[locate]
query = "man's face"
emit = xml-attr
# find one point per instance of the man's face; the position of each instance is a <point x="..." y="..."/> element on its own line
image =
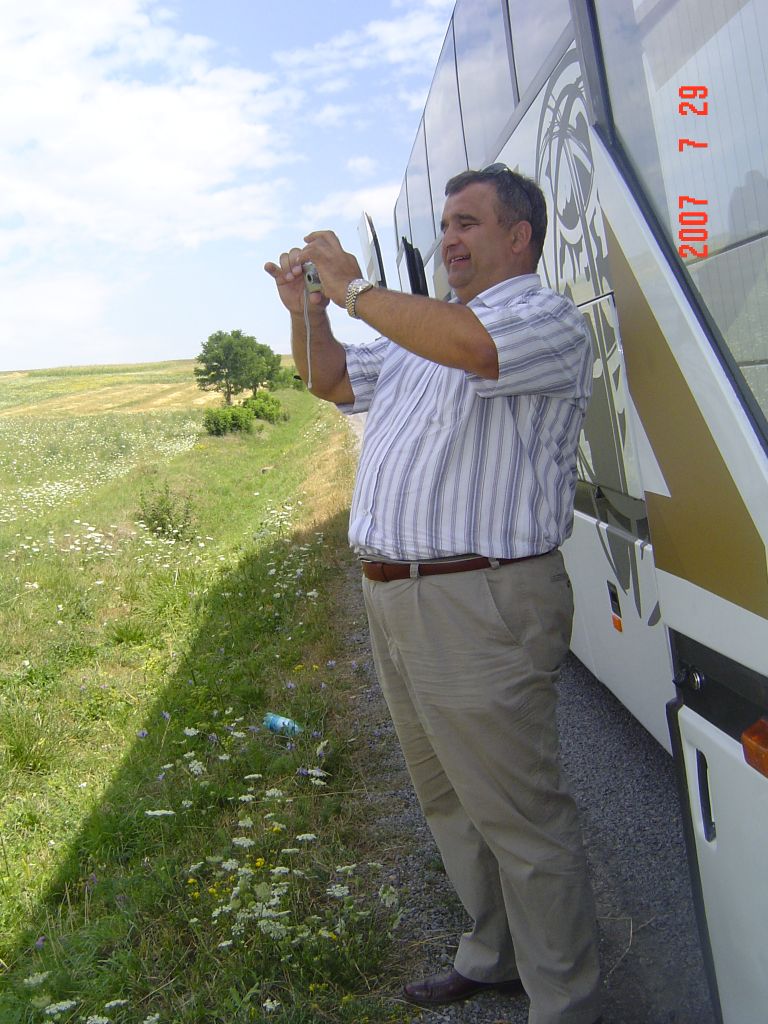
<point x="477" y="250"/>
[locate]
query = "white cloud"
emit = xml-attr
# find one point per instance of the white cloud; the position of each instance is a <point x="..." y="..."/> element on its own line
<point x="364" y="166"/>
<point x="117" y="128"/>
<point x="410" y="42"/>
<point x="378" y="201"/>
<point x="332" y="115"/>
<point x="122" y="136"/>
<point x="333" y="85"/>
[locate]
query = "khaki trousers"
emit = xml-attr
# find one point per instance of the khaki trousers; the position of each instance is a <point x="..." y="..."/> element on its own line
<point x="468" y="663"/>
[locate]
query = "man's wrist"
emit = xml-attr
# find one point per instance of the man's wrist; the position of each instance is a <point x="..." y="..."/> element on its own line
<point x="316" y="313"/>
<point x="357" y="286"/>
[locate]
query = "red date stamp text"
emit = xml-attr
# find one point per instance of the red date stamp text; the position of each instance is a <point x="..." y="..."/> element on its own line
<point x="692" y="217"/>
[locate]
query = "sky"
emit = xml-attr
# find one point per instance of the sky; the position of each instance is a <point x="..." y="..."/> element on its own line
<point x="154" y="154"/>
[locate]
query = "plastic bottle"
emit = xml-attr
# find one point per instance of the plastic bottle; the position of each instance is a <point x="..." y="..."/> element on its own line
<point x="278" y="723"/>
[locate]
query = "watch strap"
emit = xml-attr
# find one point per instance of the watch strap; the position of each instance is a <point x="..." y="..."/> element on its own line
<point x="355" y="289"/>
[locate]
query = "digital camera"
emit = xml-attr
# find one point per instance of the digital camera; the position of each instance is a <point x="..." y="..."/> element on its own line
<point x="311" y="278"/>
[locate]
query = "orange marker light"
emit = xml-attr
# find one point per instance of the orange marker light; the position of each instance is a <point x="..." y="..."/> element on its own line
<point x="754" y="742"/>
<point x="617" y="624"/>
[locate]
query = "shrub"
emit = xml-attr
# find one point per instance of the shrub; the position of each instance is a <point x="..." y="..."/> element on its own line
<point x="266" y="407"/>
<point x="216" y="421"/>
<point x="241" y="418"/>
<point x="166" y="513"/>
<point x="221" y="421"/>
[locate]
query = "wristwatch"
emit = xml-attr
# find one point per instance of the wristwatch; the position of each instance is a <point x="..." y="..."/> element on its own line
<point x="354" y="289"/>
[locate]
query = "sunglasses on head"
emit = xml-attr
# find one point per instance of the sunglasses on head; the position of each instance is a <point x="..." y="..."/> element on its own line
<point x="498" y="169"/>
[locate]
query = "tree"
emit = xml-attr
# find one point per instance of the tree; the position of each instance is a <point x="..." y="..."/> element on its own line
<point x="232" y="362"/>
<point x="267" y="368"/>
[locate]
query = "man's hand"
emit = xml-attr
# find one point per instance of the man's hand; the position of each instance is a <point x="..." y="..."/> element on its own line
<point x="335" y="266"/>
<point x="288" y="275"/>
<point x="329" y="379"/>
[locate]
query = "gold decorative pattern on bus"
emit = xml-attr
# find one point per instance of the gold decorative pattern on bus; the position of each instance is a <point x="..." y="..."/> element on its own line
<point x="703" y="532"/>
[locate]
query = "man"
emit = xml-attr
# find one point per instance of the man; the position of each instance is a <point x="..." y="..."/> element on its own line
<point x="464" y="493"/>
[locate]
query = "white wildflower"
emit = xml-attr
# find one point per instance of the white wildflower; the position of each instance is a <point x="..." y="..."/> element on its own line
<point x="338" y="891"/>
<point x="35" y="979"/>
<point x="388" y="896"/>
<point x="55" y="1008"/>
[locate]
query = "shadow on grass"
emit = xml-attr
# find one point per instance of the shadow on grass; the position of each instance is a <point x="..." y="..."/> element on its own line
<point x="193" y="889"/>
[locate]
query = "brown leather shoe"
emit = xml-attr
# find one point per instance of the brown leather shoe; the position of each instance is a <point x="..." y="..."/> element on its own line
<point x="440" y="989"/>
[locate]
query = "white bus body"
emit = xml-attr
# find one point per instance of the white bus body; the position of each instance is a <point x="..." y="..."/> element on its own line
<point x="642" y="121"/>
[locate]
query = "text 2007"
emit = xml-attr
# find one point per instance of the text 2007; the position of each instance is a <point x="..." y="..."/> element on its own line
<point x="692" y="215"/>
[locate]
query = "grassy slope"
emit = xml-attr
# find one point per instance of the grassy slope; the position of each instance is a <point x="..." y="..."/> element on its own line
<point x="133" y="679"/>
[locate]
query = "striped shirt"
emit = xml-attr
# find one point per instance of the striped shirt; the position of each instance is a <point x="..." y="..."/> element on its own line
<point x="453" y="463"/>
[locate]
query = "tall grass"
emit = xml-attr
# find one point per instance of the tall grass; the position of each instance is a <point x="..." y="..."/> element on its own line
<point x="163" y="857"/>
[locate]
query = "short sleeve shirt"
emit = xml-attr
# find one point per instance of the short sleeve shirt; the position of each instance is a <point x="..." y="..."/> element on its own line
<point x="453" y="463"/>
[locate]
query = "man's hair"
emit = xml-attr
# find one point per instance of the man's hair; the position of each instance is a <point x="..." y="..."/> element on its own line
<point x="517" y="198"/>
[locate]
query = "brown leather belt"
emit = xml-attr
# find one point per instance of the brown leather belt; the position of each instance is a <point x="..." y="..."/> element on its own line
<point x="386" y="572"/>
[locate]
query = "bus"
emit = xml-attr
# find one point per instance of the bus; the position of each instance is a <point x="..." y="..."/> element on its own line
<point x="640" y="119"/>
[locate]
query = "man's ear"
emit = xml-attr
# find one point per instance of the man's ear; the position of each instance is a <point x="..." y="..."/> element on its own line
<point x="520" y="236"/>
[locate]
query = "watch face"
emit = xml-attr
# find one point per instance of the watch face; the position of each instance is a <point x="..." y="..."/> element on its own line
<point x="356" y="288"/>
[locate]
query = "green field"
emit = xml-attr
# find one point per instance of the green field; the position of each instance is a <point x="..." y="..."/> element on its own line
<point x="163" y="857"/>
